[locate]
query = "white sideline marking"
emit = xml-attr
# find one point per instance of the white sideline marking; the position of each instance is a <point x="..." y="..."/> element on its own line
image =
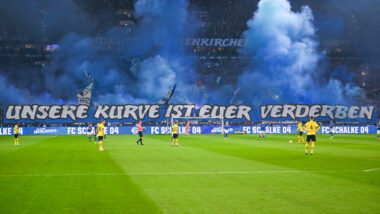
<point x="369" y="170"/>
<point x="172" y="173"/>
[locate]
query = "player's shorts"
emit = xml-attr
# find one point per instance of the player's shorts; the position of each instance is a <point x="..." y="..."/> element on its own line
<point x="175" y="136"/>
<point x="226" y="131"/>
<point x="311" y="138"/>
<point x="100" y="138"/>
<point x="140" y="134"/>
<point x="262" y="131"/>
<point x="16" y="135"/>
<point x="300" y="133"/>
<point x="378" y="132"/>
<point x="331" y="131"/>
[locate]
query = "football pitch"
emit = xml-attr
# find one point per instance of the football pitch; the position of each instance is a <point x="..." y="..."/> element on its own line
<point x="205" y="174"/>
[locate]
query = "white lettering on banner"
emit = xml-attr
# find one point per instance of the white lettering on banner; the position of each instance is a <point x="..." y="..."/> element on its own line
<point x="29" y="112"/>
<point x="338" y="112"/>
<point x="71" y="131"/>
<point x="364" y="130"/>
<point x="276" y="111"/>
<point x="204" y="111"/>
<point x="82" y="130"/>
<point x="116" y="112"/>
<point x="114" y="130"/>
<point x="140" y="112"/>
<point x="341" y="112"/>
<point x="289" y="111"/>
<point x="43" y="112"/>
<point x="286" y="130"/>
<point x="247" y="129"/>
<point x="165" y="130"/>
<point x="346" y="130"/>
<point x="214" y="42"/>
<point x="155" y="130"/>
<point x="315" y="111"/>
<point x="6" y="131"/>
<point x="353" y="113"/>
<point x="196" y="130"/>
<point x="265" y="110"/>
<point x="197" y="42"/>
<point x="327" y="111"/>
<point x="301" y="111"/>
<point x="154" y="111"/>
<point x="366" y="112"/>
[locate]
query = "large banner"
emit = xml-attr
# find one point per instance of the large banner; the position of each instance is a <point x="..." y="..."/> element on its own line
<point x="162" y="130"/>
<point x="154" y="112"/>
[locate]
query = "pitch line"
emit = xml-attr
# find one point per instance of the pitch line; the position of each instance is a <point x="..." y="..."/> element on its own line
<point x="370" y="170"/>
<point x="178" y="173"/>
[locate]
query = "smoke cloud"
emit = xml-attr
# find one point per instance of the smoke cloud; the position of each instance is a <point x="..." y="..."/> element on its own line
<point x="285" y="66"/>
<point x="163" y="23"/>
<point x="163" y="59"/>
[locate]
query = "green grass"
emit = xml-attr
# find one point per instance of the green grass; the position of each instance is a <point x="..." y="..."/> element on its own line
<point x="67" y="174"/>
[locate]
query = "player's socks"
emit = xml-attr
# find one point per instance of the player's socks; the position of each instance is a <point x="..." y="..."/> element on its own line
<point x="312" y="148"/>
<point x="141" y="142"/>
<point x="306" y="148"/>
<point x="101" y="146"/>
<point x="263" y="137"/>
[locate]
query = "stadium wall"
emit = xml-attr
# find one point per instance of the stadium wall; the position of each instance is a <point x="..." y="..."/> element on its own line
<point x="161" y="130"/>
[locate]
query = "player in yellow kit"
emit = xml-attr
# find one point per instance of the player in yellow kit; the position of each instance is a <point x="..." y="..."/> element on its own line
<point x="15" y="132"/>
<point x="101" y="134"/>
<point x="175" y="134"/>
<point x="311" y="128"/>
<point x="300" y="132"/>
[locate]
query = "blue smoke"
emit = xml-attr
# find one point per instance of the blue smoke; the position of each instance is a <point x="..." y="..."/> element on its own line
<point x="285" y="60"/>
<point x="164" y="61"/>
<point x="162" y="25"/>
<point x="285" y="65"/>
<point x="15" y="95"/>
